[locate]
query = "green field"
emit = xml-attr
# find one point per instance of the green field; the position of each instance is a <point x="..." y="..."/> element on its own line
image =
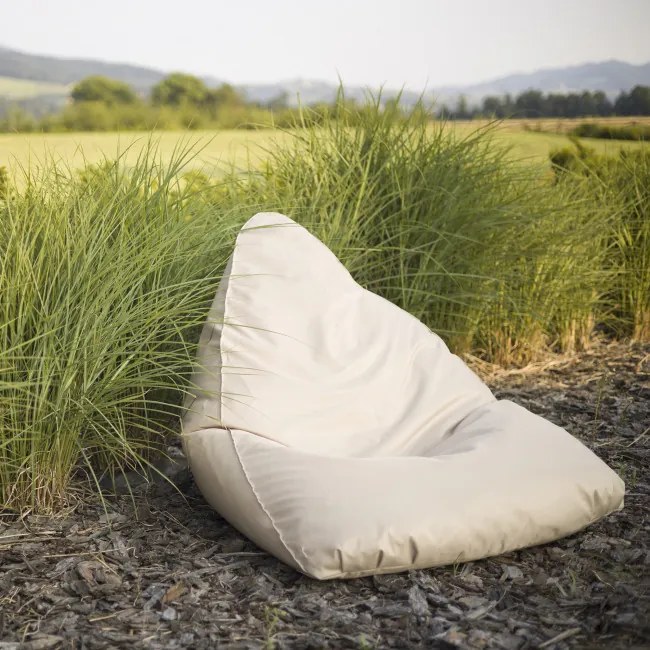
<point x="221" y="148"/>
<point x="11" y="88"/>
<point x="215" y="149"/>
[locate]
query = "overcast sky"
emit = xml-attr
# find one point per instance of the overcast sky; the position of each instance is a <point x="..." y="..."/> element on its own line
<point x="412" y="43"/>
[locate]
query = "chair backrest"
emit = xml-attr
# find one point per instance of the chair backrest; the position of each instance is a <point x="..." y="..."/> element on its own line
<point x="296" y="351"/>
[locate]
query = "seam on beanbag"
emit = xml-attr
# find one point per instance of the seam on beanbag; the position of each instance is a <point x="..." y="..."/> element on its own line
<point x="223" y="330"/>
<point x="259" y="501"/>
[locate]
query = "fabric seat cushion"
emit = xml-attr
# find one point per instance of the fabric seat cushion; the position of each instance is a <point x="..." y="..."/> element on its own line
<point x="341" y="435"/>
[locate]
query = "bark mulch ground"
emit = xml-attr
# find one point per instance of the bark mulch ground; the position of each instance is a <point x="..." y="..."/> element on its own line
<point x="165" y="571"/>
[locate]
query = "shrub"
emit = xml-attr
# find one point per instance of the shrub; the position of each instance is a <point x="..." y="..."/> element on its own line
<point x="16" y="120"/>
<point x="105" y="279"/>
<point x="102" y="89"/>
<point x="575" y="158"/>
<point x="631" y="180"/>
<point x="622" y="184"/>
<point x="88" y="116"/>
<point x="178" y="89"/>
<point x="612" y="132"/>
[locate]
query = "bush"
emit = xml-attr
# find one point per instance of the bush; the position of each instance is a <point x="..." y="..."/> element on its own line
<point x="622" y="184"/>
<point x="612" y="132"/>
<point x="138" y="116"/>
<point x="88" y="116"/>
<point x="630" y="181"/>
<point x="575" y="158"/>
<point x="102" y="89"/>
<point x="16" y="120"/>
<point x="106" y="278"/>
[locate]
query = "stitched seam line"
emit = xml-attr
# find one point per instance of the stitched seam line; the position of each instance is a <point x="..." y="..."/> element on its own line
<point x="264" y="510"/>
<point x="232" y="438"/>
<point x="223" y="331"/>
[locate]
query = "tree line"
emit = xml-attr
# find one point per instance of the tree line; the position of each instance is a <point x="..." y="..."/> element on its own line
<point x="180" y="101"/>
<point x="534" y="103"/>
<point x="98" y="103"/>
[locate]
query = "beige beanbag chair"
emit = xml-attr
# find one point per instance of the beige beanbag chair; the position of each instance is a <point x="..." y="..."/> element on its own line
<point x="339" y="433"/>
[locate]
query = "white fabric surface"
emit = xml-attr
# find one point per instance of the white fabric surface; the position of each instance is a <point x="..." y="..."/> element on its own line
<point x="340" y="434"/>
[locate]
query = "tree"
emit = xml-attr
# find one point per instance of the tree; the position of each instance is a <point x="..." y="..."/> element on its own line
<point x="461" y="112"/>
<point x="556" y="105"/>
<point x="89" y="116"/>
<point x="636" y="102"/>
<point x="492" y="107"/>
<point x="102" y="89"/>
<point x="603" y="105"/>
<point x="225" y="95"/>
<point x="180" y="89"/>
<point x="530" y="104"/>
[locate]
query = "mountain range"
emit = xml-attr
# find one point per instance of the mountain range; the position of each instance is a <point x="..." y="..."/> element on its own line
<point x="45" y="81"/>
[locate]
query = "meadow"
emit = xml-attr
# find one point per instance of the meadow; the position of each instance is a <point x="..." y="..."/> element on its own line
<point x="111" y="248"/>
<point x="12" y="88"/>
<point x="529" y="140"/>
<point x="215" y="150"/>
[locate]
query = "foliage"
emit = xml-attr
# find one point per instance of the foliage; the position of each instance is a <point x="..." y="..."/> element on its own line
<point x="16" y="120"/>
<point x="533" y="103"/>
<point x="446" y="227"/>
<point x="104" y="90"/>
<point x="636" y="102"/>
<point x="4" y="182"/>
<point x="576" y="158"/>
<point x="623" y="184"/>
<point x="106" y="276"/>
<point x="630" y="180"/>
<point x="185" y="101"/>
<point x="178" y="89"/>
<point x="612" y="132"/>
<point x="105" y="279"/>
<point x="178" y="102"/>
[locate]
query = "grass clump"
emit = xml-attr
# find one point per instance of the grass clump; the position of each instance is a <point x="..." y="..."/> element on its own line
<point x="631" y="183"/>
<point x="622" y="183"/>
<point x="638" y="132"/>
<point x="488" y="254"/>
<point x="105" y="279"/>
<point x="4" y="182"/>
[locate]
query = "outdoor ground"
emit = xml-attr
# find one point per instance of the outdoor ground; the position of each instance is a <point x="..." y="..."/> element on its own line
<point x="165" y="571"/>
<point x="219" y="148"/>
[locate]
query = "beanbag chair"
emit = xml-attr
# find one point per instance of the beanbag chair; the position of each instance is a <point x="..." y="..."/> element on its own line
<point x="339" y="433"/>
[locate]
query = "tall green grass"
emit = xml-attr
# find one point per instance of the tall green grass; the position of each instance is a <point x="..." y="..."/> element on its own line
<point x="104" y="280"/>
<point x="622" y="184"/>
<point x="631" y="181"/>
<point x="482" y="248"/>
<point x="612" y="131"/>
<point x="106" y="276"/>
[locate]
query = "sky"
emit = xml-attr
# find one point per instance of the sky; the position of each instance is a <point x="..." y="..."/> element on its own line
<point x="398" y="43"/>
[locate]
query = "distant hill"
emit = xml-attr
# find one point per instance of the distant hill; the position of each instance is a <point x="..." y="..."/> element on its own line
<point x="28" y="77"/>
<point x="611" y="77"/>
<point x="36" y="67"/>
